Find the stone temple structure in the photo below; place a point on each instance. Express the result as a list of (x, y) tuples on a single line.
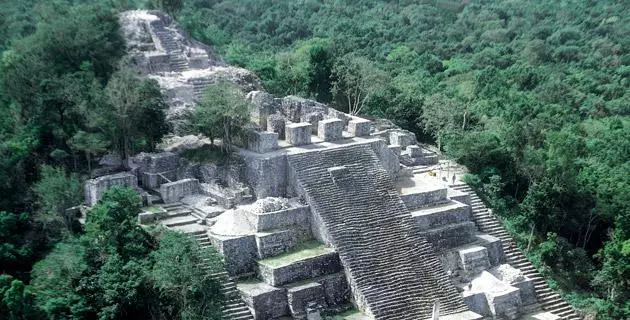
[(322, 213)]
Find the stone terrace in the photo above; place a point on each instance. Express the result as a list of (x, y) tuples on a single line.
[(393, 272)]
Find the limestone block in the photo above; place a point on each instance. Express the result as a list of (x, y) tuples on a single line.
[(496, 255), (281, 219), (276, 123), (414, 151), (335, 114), (278, 274), (154, 180), (330, 129), (476, 302), (336, 289), (474, 259), (302, 296), (396, 149), (452, 235), (359, 127), (266, 174), (262, 105), (261, 141), (265, 301), (298, 134), (313, 118), (160, 162), (274, 243), (401, 138), (239, 252), (174, 191), (514, 277), (146, 217), (441, 215), (423, 198), (506, 303), (95, 188)]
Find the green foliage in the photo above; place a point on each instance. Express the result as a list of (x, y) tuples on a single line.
[(222, 113), (56, 192), (117, 270), (530, 96)]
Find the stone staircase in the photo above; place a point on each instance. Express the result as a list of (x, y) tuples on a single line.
[(199, 86), (178, 59), (233, 307), (487, 223), (393, 271)]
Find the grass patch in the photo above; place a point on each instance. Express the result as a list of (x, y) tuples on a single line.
[(205, 153), (155, 209), (351, 313), (306, 250)]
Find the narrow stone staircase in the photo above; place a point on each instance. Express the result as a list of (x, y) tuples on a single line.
[(178, 61), (548, 299), (233, 307), (395, 272), (199, 87)]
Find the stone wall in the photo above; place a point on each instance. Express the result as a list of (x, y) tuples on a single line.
[(174, 191), (266, 174), (95, 188), (278, 275)]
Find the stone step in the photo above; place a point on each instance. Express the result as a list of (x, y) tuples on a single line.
[(179, 221)]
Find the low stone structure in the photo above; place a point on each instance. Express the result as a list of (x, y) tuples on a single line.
[(174, 191), (262, 142), (330, 129), (359, 127), (95, 188), (298, 134)]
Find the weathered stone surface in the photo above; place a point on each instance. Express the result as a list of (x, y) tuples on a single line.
[(452, 235), (504, 301), (267, 302), (402, 139), (276, 123), (514, 277), (174, 191), (266, 174), (313, 118), (474, 259), (396, 149), (271, 244), (280, 219), (496, 255), (336, 289), (477, 302), (301, 296), (239, 252), (359, 127), (95, 188), (298, 134), (262, 142), (157, 162), (300, 269), (330, 129), (261, 107), (414, 151)]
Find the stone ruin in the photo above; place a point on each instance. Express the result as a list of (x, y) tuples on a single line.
[(324, 211)]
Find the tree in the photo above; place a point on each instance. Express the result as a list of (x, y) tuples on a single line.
[(56, 192), (136, 120), (186, 289), (90, 143), (222, 112), (356, 80)]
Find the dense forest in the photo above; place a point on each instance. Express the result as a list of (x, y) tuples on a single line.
[(532, 96)]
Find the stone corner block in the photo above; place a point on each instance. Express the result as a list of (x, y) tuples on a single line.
[(359, 127), (298, 134), (262, 141), (330, 129)]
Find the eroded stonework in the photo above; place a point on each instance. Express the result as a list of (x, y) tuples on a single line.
[(319, 211)]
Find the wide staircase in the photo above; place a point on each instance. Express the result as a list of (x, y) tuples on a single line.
[(395, 272), (178, 61), (181, 218), (548, 299)]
